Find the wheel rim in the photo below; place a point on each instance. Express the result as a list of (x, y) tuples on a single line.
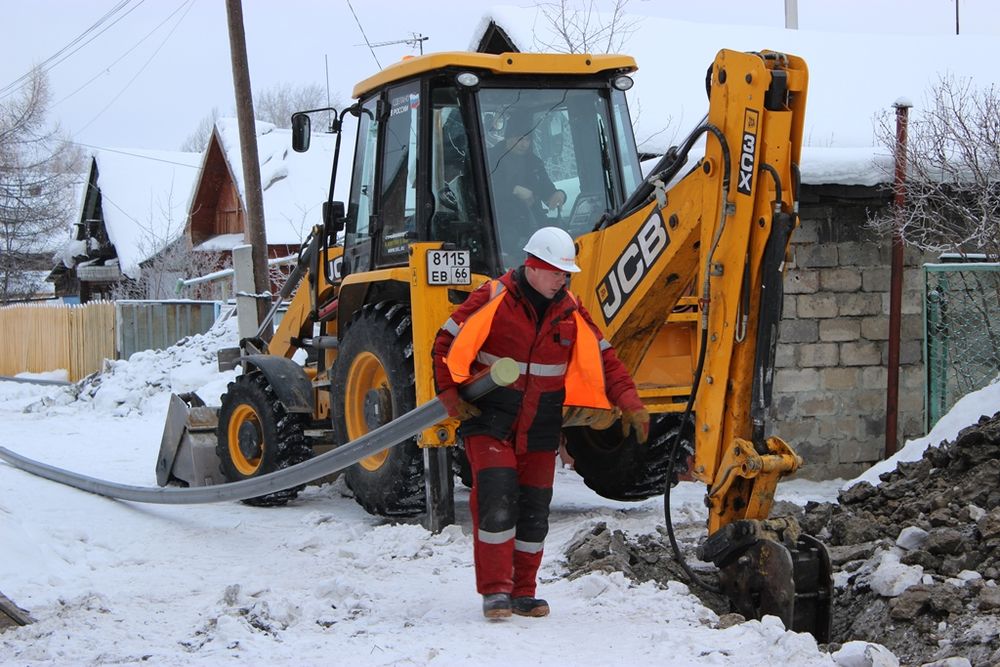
[(366, 375), (246, 440)]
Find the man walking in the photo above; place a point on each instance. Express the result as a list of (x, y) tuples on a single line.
[(512, 434)]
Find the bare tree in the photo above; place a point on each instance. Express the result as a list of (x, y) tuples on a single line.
[(578, 26), (177, 261), (953, 171), (277, 103), (274, 105), (169, 255), (34, 189), (198, 140)]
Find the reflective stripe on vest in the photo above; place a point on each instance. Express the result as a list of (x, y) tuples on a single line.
[(541, 370), (584, 374)]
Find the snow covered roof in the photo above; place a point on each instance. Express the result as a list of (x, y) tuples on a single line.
[(852, 78), (145, 196), (295, 185)]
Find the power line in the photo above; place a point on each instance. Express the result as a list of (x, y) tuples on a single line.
[(358, 21), (190, 3), (144, 157), (94, 26), (62, 55), (107, 68)]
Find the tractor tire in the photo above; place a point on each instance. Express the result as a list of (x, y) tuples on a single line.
[(256, 436), (374, 378), (620, 468)]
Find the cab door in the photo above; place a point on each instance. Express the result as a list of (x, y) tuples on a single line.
[(382, 211), (399, 175)]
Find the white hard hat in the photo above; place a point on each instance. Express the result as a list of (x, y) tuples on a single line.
[(553, 246)]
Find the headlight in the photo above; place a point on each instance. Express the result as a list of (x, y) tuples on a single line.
[(467, 79), (622, 82)]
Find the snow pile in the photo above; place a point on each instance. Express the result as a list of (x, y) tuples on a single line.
[(966, 411), (147, 378)]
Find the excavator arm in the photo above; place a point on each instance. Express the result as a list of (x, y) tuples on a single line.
[(713, 242)]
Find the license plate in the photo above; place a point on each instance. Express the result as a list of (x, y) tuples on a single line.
[(448, 267)]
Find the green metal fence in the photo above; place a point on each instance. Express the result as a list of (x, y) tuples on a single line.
[(961, 332), (152, 325)]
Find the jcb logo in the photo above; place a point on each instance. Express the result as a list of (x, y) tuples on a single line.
[(748, 151), (639, 255)]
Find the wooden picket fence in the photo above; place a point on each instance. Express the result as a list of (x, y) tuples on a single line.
[(44, 337)]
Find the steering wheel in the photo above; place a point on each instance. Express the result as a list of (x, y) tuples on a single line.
[(446, 197)]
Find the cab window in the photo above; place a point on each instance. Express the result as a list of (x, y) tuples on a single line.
[(457, 218), (357, 241), (398, 185)]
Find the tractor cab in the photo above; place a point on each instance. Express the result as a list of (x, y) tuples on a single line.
[(479, 151)]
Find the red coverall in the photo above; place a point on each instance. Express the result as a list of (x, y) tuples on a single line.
[(511, 445)]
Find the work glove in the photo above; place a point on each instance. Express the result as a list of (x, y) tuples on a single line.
[(458, 407), (637, 419)]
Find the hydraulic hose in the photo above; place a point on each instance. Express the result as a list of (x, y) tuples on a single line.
[(705, 303), (500, 374)]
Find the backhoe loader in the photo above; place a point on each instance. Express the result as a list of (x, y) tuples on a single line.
[(682, 269)]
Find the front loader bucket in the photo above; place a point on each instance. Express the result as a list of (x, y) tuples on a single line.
[(187, 448)]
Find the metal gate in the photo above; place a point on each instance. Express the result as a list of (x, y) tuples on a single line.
[(151, 325), (961, 332)]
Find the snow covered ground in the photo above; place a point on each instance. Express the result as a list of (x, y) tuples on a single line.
[(318, 582)]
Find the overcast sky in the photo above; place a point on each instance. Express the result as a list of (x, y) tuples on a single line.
[(146, 76)]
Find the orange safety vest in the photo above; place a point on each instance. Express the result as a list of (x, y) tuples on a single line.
[(584, 377)]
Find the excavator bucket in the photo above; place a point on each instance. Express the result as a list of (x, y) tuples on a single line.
[(783, 573), (187, 448)]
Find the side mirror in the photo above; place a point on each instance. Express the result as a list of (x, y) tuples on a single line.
[(333, 216), (301, 132)]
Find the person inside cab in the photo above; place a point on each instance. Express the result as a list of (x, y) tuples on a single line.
[(521, 186)]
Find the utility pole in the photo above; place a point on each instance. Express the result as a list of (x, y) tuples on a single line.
[(792, 14), (254, 233)]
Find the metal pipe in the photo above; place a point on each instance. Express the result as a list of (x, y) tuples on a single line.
[(501, 374), (792, 14), (896, 285)]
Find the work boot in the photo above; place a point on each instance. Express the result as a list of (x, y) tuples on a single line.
[(525, 606), (497, 605)]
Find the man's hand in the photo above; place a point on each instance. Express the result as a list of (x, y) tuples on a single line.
[(458, 407), (638, 420), (556, 199)]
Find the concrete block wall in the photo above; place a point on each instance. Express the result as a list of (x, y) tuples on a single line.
[(831, 363)]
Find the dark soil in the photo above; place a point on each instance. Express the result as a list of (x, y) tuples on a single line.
[(932, 525)]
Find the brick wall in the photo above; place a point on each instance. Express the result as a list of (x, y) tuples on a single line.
[(830, 381)]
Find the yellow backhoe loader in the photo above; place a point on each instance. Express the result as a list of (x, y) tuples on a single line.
[(682, 269)]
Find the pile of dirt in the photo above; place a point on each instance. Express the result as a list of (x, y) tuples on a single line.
[(916, 559)]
